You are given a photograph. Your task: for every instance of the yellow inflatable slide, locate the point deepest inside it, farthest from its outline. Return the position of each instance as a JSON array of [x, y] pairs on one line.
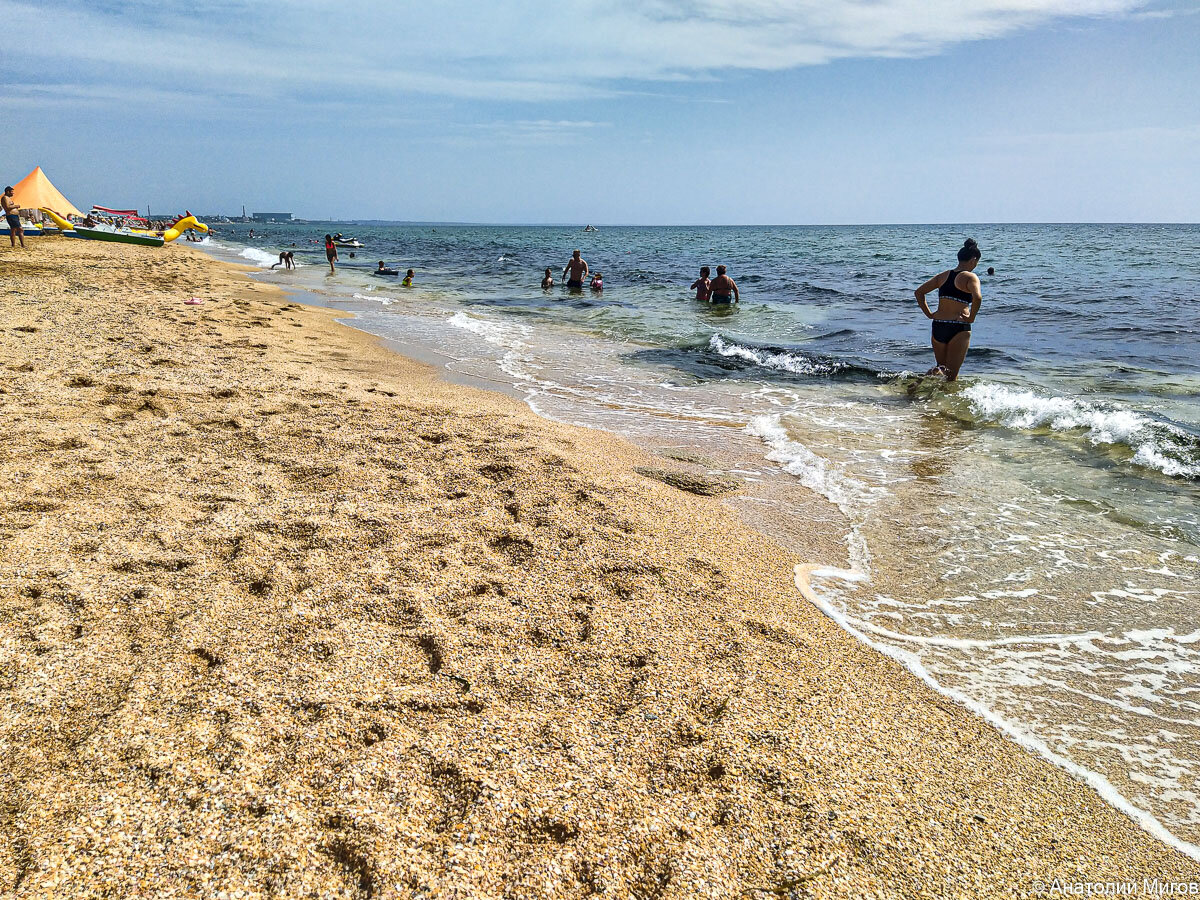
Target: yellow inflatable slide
[[187, 222], [183, 225], [58, 220]]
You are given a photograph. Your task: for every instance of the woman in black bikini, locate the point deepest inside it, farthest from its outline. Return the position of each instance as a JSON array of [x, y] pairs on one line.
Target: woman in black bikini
[[958, 305]]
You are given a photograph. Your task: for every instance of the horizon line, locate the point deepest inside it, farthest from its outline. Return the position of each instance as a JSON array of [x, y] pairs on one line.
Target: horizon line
[[452, 223]]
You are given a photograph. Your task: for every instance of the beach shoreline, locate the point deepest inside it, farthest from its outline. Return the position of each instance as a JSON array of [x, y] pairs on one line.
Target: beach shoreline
[[285, 613]]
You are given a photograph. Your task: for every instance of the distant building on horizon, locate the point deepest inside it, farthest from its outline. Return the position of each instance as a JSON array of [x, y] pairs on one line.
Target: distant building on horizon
[[272, 217]]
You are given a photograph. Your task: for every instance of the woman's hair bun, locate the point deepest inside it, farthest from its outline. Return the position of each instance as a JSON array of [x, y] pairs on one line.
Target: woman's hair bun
[[970, 242], [970, 250]]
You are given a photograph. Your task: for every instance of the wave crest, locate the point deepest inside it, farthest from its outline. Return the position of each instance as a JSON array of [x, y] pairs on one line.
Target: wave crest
[[1154, 444], [778, 360], [262, 258]]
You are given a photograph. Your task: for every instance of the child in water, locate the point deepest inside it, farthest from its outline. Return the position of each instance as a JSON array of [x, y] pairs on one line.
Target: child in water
[[408, 277], [700, 285], [597, 282], [547, 280]]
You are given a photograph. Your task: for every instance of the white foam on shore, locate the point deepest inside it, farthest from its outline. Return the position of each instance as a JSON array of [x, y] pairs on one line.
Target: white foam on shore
[[1155, 445], [908, 659], [822, 476], [506, 336], [783, 362], [262, 258], [377, 298]]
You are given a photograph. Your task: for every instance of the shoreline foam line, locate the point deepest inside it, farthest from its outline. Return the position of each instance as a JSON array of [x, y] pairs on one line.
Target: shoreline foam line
[[1097, 782]]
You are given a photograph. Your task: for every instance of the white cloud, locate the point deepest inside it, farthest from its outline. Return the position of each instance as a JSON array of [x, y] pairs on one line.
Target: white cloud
[[520, 49]]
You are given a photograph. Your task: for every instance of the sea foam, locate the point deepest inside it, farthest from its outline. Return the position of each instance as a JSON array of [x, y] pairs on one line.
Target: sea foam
[[822, 476], [1154, 444], [262, 258], [781, 361], [914, 664], [507, 337]]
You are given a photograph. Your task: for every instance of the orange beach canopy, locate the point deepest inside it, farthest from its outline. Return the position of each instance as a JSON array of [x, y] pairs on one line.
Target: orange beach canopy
[[35, 190]]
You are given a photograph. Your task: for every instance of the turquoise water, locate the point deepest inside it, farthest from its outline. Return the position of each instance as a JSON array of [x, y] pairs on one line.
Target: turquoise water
[[1027, 538]]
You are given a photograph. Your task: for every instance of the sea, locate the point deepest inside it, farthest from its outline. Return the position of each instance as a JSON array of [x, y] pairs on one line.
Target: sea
[[1026, 540]]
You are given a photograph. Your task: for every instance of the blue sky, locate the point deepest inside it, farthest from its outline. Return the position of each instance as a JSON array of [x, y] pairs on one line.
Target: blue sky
[[649, 112]]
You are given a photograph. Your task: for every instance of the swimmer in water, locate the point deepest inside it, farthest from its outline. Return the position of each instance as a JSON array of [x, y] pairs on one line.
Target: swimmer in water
[[547, 280], [575, 271], [723, 289], [408, 277], [700, 285], [383, 270], [597, 282], [958, 305]]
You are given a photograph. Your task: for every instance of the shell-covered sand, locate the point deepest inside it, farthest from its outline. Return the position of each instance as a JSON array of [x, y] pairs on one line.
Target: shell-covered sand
[[283, 615]]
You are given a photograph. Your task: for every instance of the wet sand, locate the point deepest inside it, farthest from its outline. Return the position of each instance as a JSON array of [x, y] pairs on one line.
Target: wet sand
[[284, 615]]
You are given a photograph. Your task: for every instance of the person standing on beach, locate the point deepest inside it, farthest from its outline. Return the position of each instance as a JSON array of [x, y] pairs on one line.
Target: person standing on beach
[[723, 289], [701, 285], [959, 299], [12, 215], [330, 252], [575, 271]]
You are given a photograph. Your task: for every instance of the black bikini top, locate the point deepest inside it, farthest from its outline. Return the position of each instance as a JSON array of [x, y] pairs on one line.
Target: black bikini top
[[949, 290]]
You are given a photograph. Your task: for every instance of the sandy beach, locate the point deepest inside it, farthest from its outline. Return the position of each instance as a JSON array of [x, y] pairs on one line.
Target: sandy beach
[[284, 615]]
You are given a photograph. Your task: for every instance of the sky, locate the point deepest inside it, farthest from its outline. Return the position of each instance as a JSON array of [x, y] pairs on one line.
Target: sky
[[617, 112]]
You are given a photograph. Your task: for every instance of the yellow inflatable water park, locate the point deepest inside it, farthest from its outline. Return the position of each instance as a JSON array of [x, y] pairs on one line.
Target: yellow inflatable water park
[[130, 236]]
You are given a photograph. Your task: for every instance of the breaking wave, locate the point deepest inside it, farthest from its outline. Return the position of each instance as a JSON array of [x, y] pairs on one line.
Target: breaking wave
[[790, 361], [262, 258], [1152, 443]]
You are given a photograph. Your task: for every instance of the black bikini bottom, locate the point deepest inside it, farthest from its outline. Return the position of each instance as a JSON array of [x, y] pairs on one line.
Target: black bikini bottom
[[944, 332]]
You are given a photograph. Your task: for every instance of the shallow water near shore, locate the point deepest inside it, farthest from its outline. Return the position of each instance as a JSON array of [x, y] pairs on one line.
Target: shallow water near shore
[[1029, 536]]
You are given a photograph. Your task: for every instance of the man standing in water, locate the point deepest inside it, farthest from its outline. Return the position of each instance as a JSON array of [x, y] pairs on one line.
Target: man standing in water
[[723, 289], [578, 270], [12, 215]]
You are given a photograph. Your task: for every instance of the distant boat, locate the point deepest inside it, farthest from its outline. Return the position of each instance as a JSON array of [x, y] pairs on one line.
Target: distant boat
[[591, 228]]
